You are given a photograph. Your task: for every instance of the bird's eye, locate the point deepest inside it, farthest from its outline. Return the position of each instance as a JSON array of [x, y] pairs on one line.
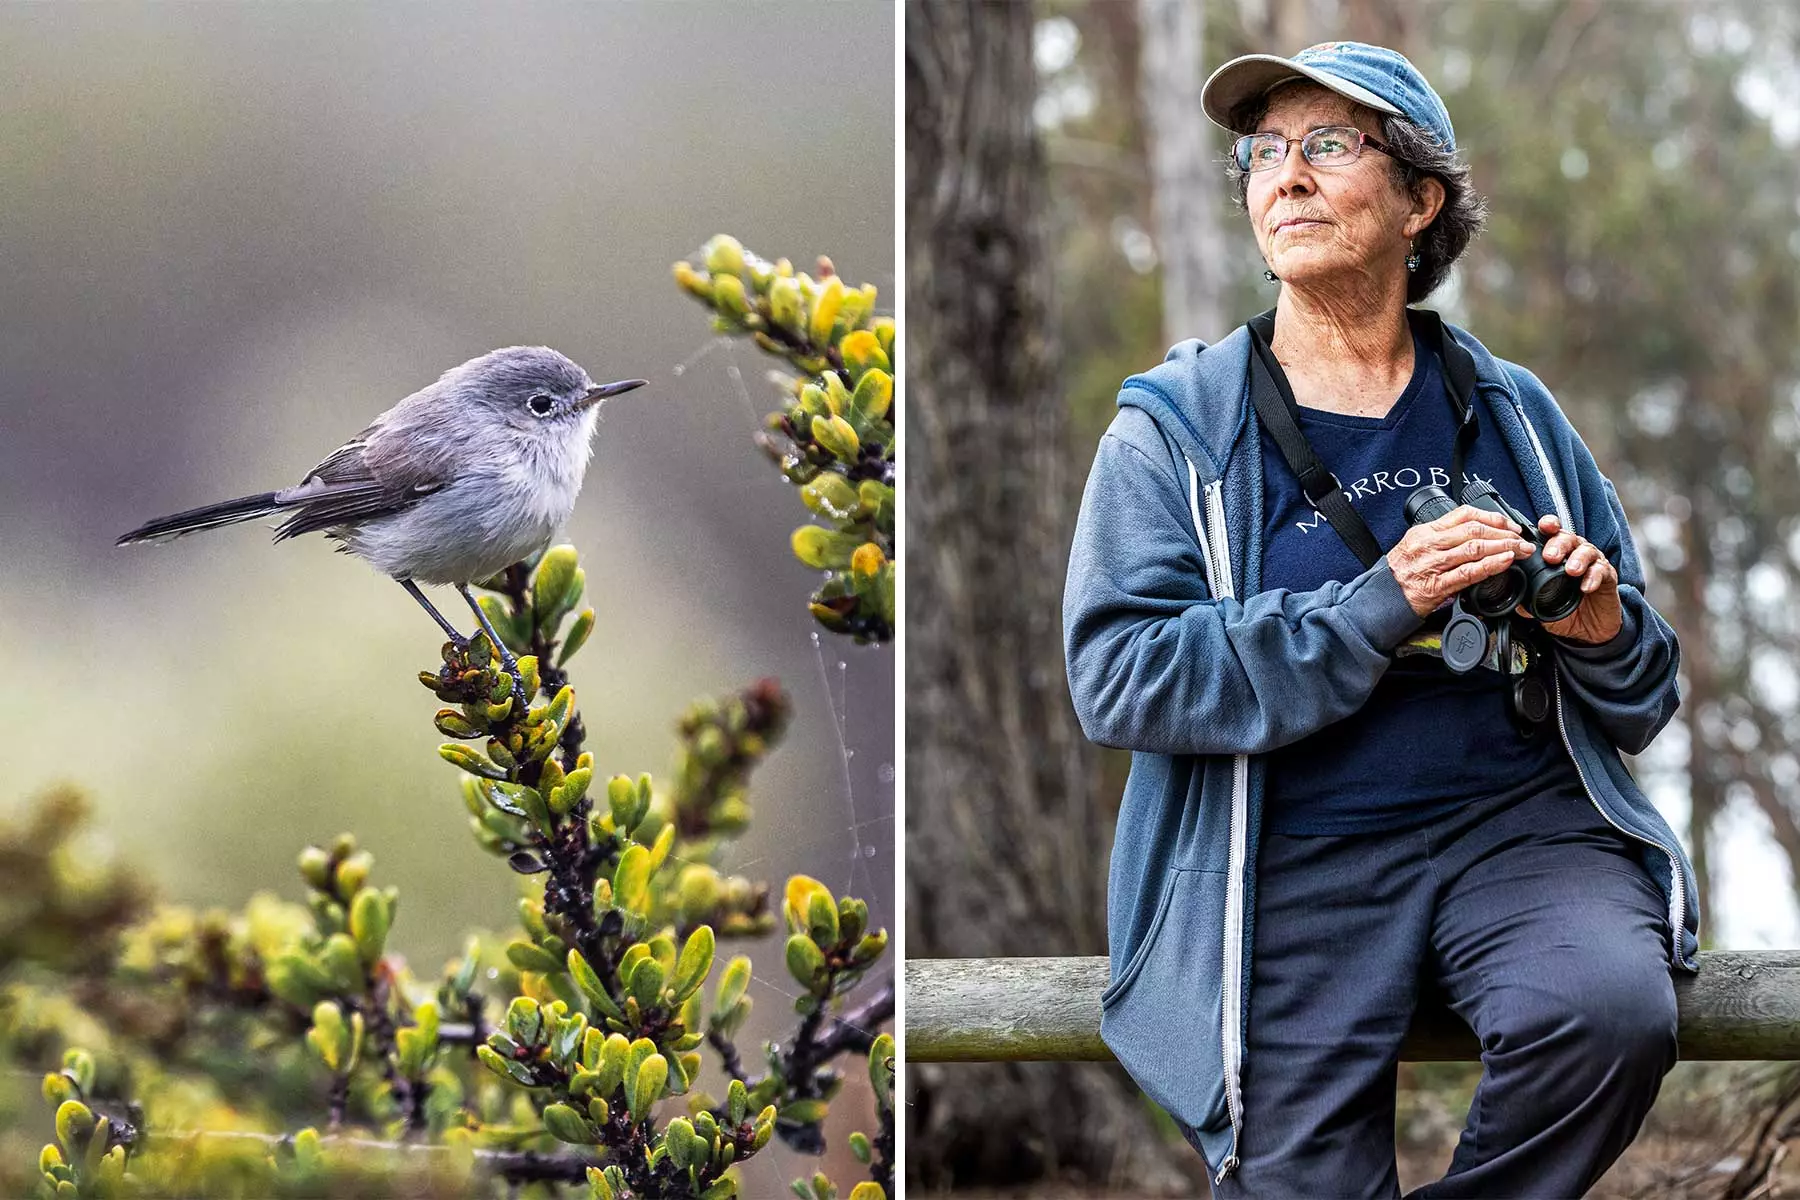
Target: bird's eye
[[541, 404]]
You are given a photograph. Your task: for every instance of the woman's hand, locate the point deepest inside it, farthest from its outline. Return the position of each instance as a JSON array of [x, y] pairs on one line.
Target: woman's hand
[[1599, 618], [1440, 558]]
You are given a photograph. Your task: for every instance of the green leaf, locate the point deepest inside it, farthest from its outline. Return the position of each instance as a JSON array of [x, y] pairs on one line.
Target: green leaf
[[832, 496], [805, 962], [837, 436], [870, 402], [646, 983], [631, 879], [342, 963], [824, 549], [649, 1087], [472, 761], [578, 636], [524, 1020], [695, 963], [861, 350], [822, 918], [733, 982], [528, 957], [566, 1125], [369, 918], [881, 1070], [591, 987]]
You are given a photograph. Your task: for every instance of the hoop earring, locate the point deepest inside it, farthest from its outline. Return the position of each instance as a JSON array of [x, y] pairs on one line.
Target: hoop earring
[[1270, 276]]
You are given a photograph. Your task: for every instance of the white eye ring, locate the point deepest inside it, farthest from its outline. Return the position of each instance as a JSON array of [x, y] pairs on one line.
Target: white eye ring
[[541, 405]]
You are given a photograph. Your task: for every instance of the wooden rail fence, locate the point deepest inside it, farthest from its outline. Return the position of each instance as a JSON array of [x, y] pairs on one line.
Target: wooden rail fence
[[1743, 1005]]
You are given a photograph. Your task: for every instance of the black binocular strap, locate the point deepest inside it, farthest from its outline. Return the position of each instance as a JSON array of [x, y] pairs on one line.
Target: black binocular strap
[[1273, 399]]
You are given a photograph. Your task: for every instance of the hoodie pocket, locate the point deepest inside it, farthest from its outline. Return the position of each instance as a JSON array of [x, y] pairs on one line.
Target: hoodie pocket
[[1162, 1016]]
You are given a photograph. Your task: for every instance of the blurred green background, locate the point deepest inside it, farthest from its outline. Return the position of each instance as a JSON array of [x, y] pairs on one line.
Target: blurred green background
[[233, 234]]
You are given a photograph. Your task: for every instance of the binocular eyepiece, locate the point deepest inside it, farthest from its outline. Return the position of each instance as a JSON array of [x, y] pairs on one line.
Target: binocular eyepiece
[[1544, 590]]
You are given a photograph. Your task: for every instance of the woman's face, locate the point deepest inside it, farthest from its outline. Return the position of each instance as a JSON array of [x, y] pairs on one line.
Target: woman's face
[[1328, 225]]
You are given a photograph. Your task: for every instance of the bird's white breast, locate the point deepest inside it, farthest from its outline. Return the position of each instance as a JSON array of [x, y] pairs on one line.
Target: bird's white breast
[[508, 503]]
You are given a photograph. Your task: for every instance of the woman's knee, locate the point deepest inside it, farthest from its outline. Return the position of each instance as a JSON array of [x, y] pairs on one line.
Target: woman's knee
[[1598, 1010]]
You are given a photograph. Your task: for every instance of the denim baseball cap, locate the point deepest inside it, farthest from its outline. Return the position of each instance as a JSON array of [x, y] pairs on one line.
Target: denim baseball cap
[[1372, 75]]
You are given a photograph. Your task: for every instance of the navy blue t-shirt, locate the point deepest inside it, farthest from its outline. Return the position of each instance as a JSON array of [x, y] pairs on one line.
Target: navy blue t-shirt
[[1428, 740]]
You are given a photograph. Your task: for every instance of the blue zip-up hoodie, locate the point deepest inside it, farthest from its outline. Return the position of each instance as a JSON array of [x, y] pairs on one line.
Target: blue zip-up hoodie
[[1175, 653]]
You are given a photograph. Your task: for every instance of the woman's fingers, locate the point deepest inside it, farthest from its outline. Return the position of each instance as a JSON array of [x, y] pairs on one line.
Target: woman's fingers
[[1463, 514], [1463, 532], [1603, 575], [1581, 558], [1561, 546]]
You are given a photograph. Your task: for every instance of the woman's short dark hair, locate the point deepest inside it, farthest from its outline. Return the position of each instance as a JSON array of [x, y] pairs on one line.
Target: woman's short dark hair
[[1417, 157]]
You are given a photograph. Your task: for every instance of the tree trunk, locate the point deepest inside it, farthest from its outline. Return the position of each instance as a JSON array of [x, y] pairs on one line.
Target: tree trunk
[[1184, 179], [1006, 843]]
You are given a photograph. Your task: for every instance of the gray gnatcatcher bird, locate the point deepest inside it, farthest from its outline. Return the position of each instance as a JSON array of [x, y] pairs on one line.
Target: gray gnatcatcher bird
[[455, 483]]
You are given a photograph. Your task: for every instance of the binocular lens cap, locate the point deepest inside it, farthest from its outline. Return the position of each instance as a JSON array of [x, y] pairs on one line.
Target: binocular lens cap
[[1465, 642]]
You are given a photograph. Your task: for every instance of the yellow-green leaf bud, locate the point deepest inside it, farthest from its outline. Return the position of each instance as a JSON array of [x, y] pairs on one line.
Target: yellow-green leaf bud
[[315, 867], [589, 982], [729, 297], [805, 962], [615, 1058], [691, 282], [342, 962], [631, 879], [733, 982], [881, 1069], [353, 872], [578, 636], [528, 957], [524, 1020], [824, 549], [832, 496], [695, 963], [646, 983], [873, 397], [566, 1125], [822, 918], [472, 761], [868, 1189], [369, 920], [837, 436], [723, 254], [785, 303], [861, 350], [805, 1112], [649, 1087], [870, 948], [825, 311]]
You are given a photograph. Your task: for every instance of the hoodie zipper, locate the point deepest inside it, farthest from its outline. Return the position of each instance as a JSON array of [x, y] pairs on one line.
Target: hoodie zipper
[[1216, 549], [1678, 888]]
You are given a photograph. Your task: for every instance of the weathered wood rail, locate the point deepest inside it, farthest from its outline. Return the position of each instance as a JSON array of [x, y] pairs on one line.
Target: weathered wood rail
[[1743, 1005]]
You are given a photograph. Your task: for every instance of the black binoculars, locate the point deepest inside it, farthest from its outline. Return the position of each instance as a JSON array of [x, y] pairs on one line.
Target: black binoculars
[[1542, 588]]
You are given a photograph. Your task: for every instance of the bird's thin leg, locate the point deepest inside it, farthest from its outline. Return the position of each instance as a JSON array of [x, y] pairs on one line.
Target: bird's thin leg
[[507, 661], [412, 590]]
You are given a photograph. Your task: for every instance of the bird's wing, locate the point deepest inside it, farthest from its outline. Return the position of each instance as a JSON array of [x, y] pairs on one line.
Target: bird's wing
[[357, 482]]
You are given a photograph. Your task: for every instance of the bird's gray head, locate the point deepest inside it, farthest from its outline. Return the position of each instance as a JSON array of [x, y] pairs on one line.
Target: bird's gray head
[[530, 387]]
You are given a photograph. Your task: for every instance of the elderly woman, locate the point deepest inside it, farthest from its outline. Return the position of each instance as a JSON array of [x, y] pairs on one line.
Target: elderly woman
[[1376, 729]]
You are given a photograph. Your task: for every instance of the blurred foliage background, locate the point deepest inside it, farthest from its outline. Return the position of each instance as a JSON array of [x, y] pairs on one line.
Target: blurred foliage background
[[233, 234], [1642, 163]]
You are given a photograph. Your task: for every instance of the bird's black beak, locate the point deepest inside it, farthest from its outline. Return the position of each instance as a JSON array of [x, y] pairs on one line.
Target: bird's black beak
[[604, 391]]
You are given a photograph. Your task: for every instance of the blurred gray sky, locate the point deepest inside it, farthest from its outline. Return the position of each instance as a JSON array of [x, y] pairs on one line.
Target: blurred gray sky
[[230, 235]]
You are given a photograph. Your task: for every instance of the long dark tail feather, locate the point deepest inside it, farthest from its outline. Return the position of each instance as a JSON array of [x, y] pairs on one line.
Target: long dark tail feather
[[228, 512]]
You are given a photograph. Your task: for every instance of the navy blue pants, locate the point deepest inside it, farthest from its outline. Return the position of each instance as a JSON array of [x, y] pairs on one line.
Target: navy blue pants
[[1540, 926]]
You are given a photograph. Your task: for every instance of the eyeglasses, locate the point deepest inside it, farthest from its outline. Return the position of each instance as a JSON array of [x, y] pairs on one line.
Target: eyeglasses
[[1329, 146]]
